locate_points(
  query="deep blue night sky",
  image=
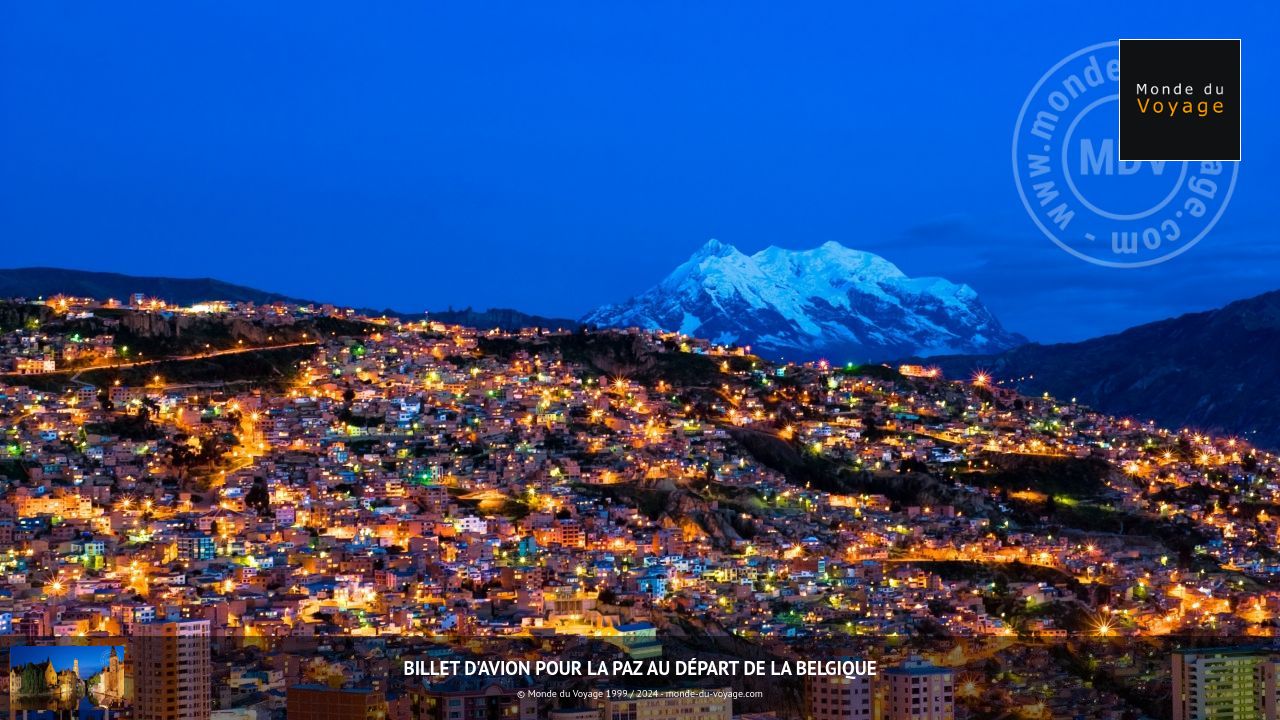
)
(555, 156)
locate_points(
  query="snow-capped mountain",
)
(829, 302)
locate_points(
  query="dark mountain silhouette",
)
(1215, 371)
(504, 318)
(38, 282)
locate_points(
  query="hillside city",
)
(273, 472)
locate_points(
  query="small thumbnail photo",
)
(47, 682)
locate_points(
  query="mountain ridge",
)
(46, 281)
(830, 301)
(42, 281)
(1213, 370)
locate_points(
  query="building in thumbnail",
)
(320, 702)
(45, 680)
(171, 670)
(110, 686)
(919, 690)
(686, 704)
(1224, 684)
(830, 697)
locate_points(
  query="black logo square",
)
(1179, 100)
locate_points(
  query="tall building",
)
(688, 704)
(320, 702)
(919, 690)
(171, 670)
(195, 546)
(1269, 688)
(829, 697)
(1224, 684)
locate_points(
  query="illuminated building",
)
(194, 546)
(688, 704)
(171, 670)
(919, 690)
(830, 697)
(919, 371)
(471, 698)
(1223, 684)
(1269, 688)
(319, 702)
